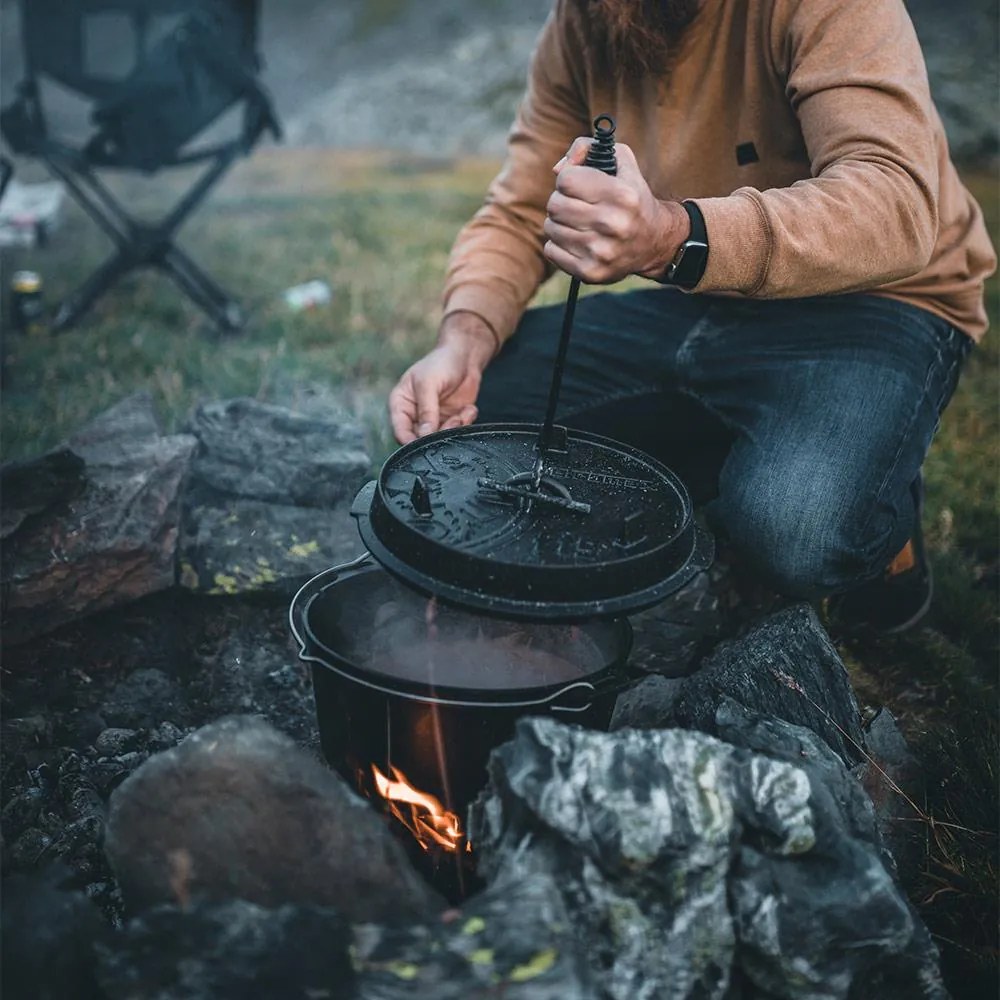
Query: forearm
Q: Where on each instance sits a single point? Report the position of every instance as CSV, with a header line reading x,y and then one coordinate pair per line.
x,y
496,263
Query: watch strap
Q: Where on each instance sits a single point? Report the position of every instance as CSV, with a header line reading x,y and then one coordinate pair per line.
x,y
688,266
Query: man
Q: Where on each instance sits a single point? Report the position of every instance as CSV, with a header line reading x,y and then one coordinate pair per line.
x,y
815,274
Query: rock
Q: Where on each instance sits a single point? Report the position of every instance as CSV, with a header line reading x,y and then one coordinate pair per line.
x,y
263,452
785,667
112,543
49,934
647,705
33,486
237,810
164,736
141,700
853,925
514,940
110,434
893,779
636,830
248,546
694,868
113,742
268,508
230,951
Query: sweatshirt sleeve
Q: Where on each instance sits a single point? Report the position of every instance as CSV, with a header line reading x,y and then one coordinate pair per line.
x,y
856,79
496,263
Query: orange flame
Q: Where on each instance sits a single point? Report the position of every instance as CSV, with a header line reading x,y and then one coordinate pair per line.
x,y
421,813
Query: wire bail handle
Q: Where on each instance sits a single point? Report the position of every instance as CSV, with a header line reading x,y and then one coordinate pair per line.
x,y
600,156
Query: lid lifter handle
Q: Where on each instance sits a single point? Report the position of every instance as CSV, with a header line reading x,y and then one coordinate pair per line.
x,y
600,156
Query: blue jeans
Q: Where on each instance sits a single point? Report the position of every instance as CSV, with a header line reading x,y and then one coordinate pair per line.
x,y
801,423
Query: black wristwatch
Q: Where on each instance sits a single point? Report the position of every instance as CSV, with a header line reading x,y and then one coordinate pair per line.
x,y
688,265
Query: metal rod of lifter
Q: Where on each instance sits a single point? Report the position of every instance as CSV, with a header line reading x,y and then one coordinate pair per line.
x,y
601,156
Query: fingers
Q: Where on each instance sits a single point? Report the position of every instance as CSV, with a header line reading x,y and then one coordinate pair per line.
x,y
575,155
403,411
413,408
467,415
607,219
428,408
628,166
578,242
564,260
407,426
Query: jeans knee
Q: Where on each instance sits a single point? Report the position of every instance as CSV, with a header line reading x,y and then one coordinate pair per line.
x,y
805,540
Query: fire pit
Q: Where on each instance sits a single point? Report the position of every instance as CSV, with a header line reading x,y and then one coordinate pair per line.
x,y
491,598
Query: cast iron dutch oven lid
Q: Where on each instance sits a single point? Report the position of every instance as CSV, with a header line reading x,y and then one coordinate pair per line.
x,y
457,514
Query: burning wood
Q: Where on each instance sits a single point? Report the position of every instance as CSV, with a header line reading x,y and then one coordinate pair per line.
x,y
421,813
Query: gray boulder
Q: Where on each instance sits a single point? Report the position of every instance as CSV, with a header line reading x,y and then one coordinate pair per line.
x,y
263,452
237,810
696,868
113,542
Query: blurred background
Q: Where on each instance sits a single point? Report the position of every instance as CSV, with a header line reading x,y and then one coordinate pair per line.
x,y
334,243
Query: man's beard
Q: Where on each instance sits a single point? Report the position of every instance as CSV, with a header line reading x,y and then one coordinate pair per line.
x,y
641,36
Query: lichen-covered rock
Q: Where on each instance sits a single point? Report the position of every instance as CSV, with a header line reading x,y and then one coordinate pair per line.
x,y
695,868
514,940
237,810
240,546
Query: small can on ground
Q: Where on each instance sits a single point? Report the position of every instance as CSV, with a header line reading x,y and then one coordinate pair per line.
x,y
27,310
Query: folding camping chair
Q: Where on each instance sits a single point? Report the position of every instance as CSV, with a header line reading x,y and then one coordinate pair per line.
x,y
185,63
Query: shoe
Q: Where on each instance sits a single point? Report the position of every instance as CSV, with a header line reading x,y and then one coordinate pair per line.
x,y
901,596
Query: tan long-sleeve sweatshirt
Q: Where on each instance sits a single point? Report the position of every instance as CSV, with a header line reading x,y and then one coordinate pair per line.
x,y
803,129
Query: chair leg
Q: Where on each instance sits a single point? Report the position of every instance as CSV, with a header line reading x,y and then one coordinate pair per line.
x,y
223,310
73,307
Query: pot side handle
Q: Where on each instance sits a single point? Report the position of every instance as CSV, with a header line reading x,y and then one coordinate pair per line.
x,y
297,609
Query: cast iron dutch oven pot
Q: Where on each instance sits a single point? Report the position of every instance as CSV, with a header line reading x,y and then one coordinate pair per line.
x,y
480,552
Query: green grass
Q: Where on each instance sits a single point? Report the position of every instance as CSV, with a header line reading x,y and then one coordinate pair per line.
x,y
378,229
382,246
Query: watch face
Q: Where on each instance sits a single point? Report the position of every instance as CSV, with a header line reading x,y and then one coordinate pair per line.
x,y
689,264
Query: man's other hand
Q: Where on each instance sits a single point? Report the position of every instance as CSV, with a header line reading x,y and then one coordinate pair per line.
x,y
439,391
601,229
